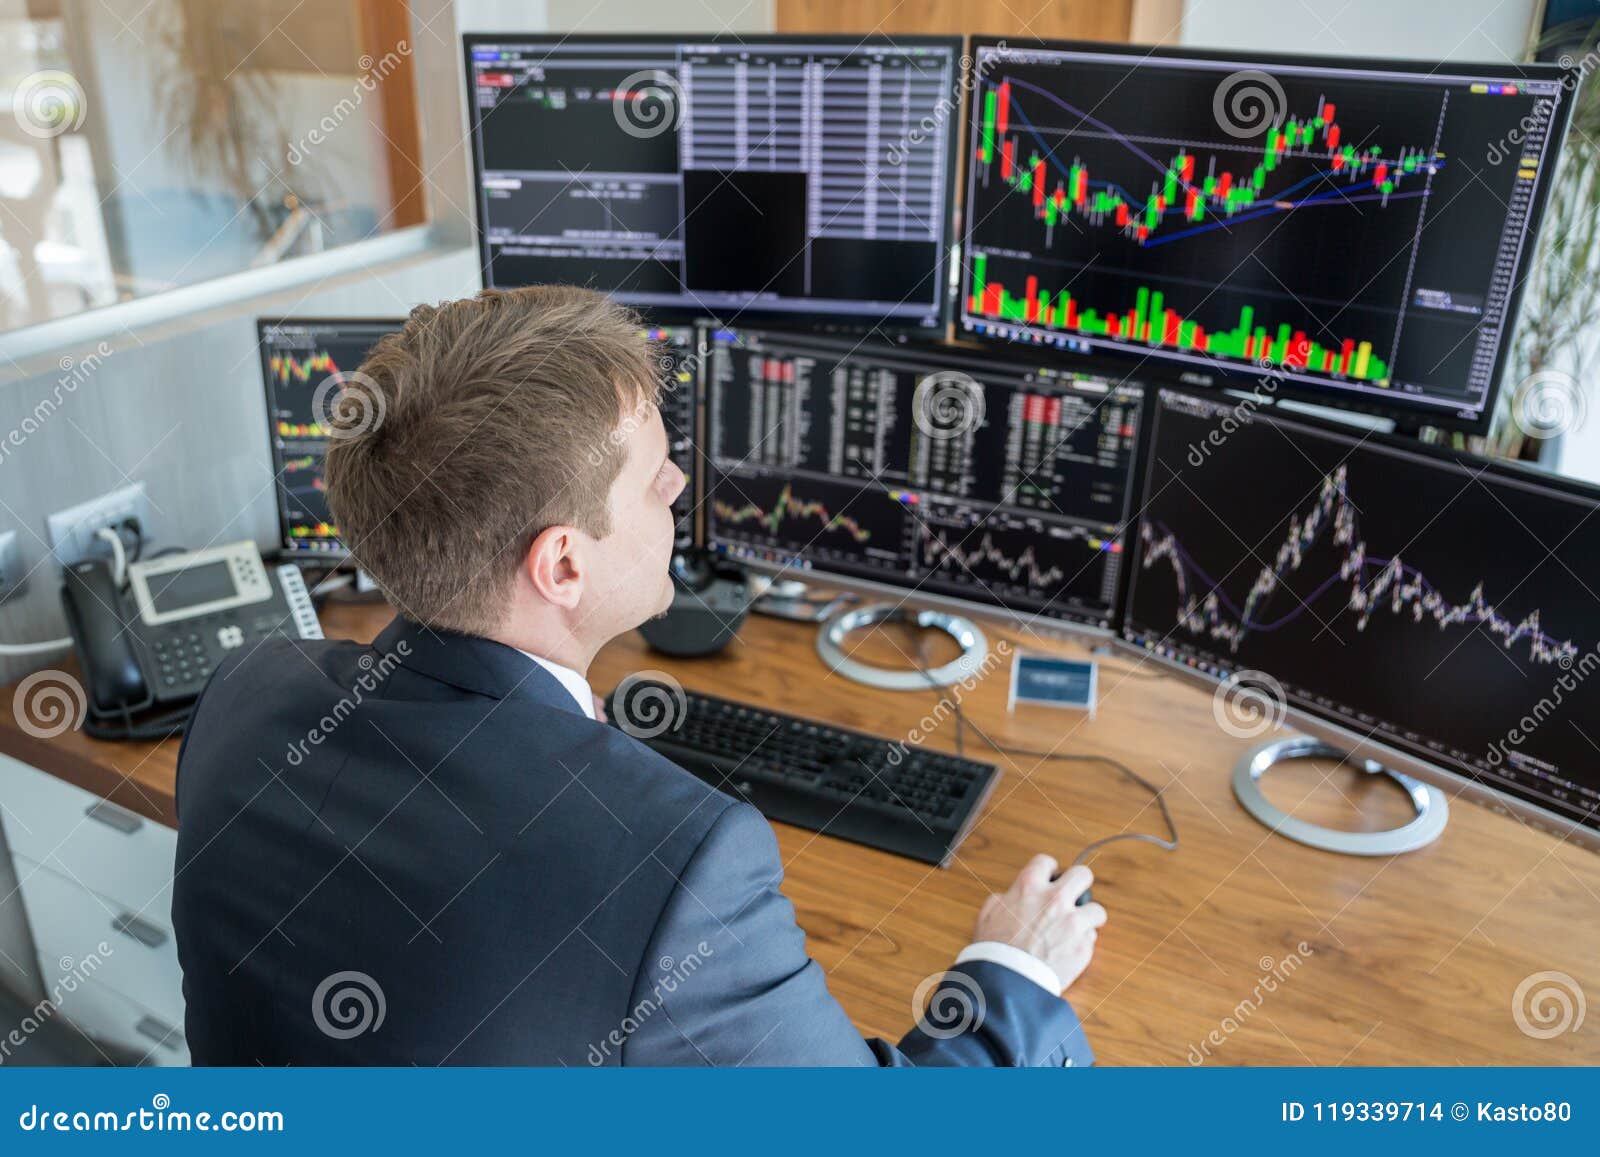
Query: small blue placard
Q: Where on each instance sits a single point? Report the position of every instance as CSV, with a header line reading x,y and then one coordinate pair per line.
x,y
1053,682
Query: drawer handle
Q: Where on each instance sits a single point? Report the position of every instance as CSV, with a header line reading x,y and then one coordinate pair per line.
x,y
143,931
114,817
164,1036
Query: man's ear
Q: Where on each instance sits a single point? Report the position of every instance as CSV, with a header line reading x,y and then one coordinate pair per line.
x,y
554,568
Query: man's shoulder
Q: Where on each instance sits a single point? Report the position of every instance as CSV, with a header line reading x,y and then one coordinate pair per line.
x,y
325,705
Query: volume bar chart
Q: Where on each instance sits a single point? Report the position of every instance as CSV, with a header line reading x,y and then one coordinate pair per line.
x,y
1149,321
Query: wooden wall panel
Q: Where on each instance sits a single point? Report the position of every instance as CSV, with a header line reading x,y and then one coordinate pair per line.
x,y
1045,19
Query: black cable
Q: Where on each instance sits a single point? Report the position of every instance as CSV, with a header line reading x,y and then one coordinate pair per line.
x,y
962,722
133,524
159,728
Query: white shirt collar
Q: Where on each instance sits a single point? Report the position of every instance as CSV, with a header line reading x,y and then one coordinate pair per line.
x,y
575,683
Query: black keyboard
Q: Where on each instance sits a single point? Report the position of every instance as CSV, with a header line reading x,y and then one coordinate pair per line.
x,y
860,787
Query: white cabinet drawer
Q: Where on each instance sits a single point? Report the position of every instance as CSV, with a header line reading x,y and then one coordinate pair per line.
x,y
69,923
110,1017
105,848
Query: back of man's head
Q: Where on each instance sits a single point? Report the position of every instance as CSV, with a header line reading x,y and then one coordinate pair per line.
x,y
478,425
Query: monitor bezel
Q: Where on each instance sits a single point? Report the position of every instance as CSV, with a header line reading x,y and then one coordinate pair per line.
x,y
829,320
1406,415
1308,720
338,552
1036,623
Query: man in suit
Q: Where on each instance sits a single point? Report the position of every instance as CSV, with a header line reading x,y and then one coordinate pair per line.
x,y
429,849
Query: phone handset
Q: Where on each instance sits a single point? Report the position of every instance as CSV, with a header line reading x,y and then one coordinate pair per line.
x,y
103,642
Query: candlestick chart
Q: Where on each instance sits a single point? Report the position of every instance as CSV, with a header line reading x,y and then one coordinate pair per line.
x,y
1343,243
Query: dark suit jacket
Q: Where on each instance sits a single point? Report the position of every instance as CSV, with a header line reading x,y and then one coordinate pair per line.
x,y
422,852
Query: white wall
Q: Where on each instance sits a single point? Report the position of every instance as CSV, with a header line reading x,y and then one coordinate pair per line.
x,y
1482,30
619,16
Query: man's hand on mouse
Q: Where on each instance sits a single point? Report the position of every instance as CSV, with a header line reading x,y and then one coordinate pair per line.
x,y
1043,917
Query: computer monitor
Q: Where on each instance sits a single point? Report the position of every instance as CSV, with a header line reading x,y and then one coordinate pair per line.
x,y
302,363
924,472
300,357
1353,233
1428,609
677,354
807,176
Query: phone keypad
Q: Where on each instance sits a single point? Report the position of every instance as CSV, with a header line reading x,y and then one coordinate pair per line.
x,y
181,659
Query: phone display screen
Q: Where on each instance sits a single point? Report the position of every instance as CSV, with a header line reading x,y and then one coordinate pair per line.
x,y
191,587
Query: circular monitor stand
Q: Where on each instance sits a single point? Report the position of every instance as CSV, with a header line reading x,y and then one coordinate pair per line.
x,y
832,634
1432,808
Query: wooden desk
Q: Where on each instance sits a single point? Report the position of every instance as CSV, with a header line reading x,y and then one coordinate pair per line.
x,y
1409,960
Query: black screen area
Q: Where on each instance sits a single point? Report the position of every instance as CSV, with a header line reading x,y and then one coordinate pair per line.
x,y
777,176
984,480
1437,604
1360,233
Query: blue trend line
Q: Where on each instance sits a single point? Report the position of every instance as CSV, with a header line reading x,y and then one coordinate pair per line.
x,y
1321,198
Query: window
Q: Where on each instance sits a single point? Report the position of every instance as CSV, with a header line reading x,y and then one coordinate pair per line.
x,y
152,144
